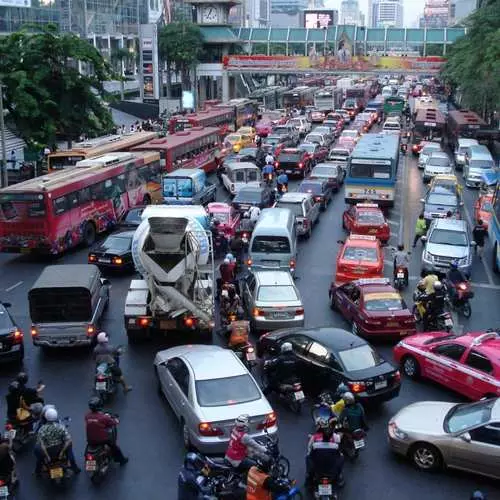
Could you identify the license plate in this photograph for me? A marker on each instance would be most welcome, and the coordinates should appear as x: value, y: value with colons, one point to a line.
x: 324, y: 489
x: 280, y: 315
x: 10, y: 434
x: 393, y: 323
x: 56, y: 473
x: 299, y: 396
x: 401, y: 275
x: 90, y: 465
x: 251, y: 356
x: 168, y: 324
x: 105, y: 261
x: 448, y: 322
x: 100, y: 386
x: 288, y: 171
x: 358, y: 271
x: 359, y: 443
x: 4, y: 492
x: 372, y: 231
x: 380, y: 385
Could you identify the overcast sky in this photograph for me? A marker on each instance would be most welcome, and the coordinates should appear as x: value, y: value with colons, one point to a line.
x: 412, y: 9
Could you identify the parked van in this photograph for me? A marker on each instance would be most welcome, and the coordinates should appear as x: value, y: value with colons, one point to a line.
x: 460, y: 150
x: 274, y: 241
x: 66, y: 304
x: 239, y: 174
x: 478, y: 160
x: 188, y: 186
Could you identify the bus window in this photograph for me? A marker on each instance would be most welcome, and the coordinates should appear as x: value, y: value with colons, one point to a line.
x: 169, y: 187
x: 73, y: 199
x: 60, y: 205
x: 84, y: 195
x: 185, y: 188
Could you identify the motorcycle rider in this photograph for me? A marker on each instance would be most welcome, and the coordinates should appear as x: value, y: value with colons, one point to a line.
x: 281, y: 368
x: 29, y: 395
x: 268, y: 169
x: 338, y: 407
x: 454, y: 276
x: 261, y: 485
x: 282, y: 181
x: 101, y: 430
x: 401, y: 260
x: 106, y: 353
x: 13, y: 398
x: 323, y: 453
x: 246, y: 224
x: 353, y: 416
x: 269, y: 159
x: 7, y: 463
x: 237, y: 247
x: 434, y: 305
x: 238, y: 330
x: 428, y: 279
x: 54, y: 441
x: 240, y: 443
x: 192, y: 484
x: 254, y: 213
x: 227, y: 271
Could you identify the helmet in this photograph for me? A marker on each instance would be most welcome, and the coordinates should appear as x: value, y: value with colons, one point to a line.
x: 246, y: 215
x: 194, y: 461
x: 36, y: 410
x: 478, y: 495
x: 421, y: 285
x: 241, y: 421
x: 22, y: 378
x: 286, y: 347
x: 342, y: 389
x: 264, y: 463
x: 13, y: 386
x: 348, y: 398
x: 454, y: 264
x: 322, y: 423
x: 229, y: 256
x: 227, y: 261
x: 401, y: 248
x: 51, y: 415
x: 95, y: 403
x: 437, y: 285
x: 102, y: 338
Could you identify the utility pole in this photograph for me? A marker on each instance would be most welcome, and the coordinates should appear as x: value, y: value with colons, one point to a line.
x: 3, y: 171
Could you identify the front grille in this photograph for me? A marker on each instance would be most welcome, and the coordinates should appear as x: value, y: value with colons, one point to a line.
x: 443, y: 260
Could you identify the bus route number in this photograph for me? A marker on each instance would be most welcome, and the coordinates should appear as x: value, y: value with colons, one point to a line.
x: 370, y: 191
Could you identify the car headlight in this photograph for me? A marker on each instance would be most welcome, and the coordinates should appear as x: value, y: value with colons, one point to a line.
x: 395, y: 431
x: 463, y: 260
x: 428, y: 257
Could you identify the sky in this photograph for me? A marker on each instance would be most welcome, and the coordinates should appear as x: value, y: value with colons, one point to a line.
x: 412, y: 9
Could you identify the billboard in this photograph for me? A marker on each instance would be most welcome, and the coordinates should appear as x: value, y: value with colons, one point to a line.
x: 15, y: 3
x: 320, y: 18
x: 150, y: 88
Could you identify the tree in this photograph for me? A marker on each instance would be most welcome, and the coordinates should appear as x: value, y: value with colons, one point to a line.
x: 45, y: 93
x: 180, y: 45
x: 473, y: 61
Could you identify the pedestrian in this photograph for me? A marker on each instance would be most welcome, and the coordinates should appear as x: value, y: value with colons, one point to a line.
x: 479, y: 234
x: 420, y: 229
x: 13, y: 159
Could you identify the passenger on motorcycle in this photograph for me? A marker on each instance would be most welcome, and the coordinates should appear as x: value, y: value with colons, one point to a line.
x: 454, y: 276
x: 428, y: 279
x: 281, y: 369
x: 101, y: 430
x: 267, y: 170
x: 338, y: 407
x: 434, y: 305
x: 7, y: 464
x: 240, y: 444
x: 269, y: 159
x: 254, y: 213
x: 353, y: 416
x: 401, y: 260
x: 105, y: 353
x: 323, y: 454
x: 246, y: 224
x: 261, y: 485
x: 230, y: 301
x: 192, y: 484
x: 53, y: 442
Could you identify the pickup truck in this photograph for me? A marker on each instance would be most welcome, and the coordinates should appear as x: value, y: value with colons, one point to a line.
x: 188, y: 186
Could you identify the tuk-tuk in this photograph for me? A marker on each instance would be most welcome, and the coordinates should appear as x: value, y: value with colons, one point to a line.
x: 228, y: 217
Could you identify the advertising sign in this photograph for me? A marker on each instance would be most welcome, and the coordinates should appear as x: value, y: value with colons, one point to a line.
x: 15, y: 3
x: 319, y: 19
x: 150, y: 88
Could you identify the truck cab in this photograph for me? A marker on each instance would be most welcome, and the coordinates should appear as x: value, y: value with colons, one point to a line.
x: 187, y: 186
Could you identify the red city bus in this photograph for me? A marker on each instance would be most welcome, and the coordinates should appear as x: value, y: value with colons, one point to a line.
x: 53, y: 213
x: 245, y: 111
x: 198, y: 147
x: 429, y: 125
x: 212, y: 117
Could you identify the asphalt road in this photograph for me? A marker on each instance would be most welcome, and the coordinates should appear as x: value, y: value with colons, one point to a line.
x: 148, y: 432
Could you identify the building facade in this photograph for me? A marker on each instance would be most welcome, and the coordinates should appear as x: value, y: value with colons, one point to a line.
x: 251, y: 14
x: 349, y: 12
x: 436, y: 14
x: 387, y: 14
x: 460, y: 9
x: 291, y: 7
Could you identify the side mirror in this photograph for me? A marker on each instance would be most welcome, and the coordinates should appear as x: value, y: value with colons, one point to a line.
x: 6, y: 304
x: 466, y: 437
x: 423, y: 238
x: 105, y: 281
x: 461, y: 203
x: 473, y: 244
x: 340, y: 242
x: 422, y: 200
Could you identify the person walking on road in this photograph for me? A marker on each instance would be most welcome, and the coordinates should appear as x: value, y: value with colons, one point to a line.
x: 420, y: 229
x: 479, y: 234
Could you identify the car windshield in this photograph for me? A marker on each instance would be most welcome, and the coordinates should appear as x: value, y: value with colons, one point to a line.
x: 248, y: 195
x: 289, y: 157
x: 442, y: 199
x: 284, y: 293
x: 117, y: 243
x: 484, y: 164
x: 308, y: 148
x: 314, y: 138
x: 272, y: 140
x: 427, y: 150
x: 311, y: 187
x: 295, y: 208
x: 360, y: 253
x: 324, y: 172
x: 464, y: 416
x: 438, y: 161
x: 270, y: 244
x: 222, y: 217
x: 134, y: 216
x: 378, y: 302
x: 447, y: 237
x: 227, y: 391
x: 5, y: 321
x: 360, y: 358
x: 370, y: 218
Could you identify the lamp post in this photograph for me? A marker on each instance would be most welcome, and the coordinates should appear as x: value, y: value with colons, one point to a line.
x: 3, y: 171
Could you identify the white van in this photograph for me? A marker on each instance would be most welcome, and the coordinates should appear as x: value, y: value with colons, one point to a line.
x: 392, y: 126
x: 387, y: 91
x: 239, y: 174
x: 462, y: 145
x: 478, y: 160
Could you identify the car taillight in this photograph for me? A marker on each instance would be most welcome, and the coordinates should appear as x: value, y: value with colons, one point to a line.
x: 17, y: 337
x: 301, y: 165
x: 292, y: 263
x: 92, y: 258
x: 100, y: 378
x: 269, y: 421
x: 256, y: 312
x: 34, y: 331
x: 462, y: 286
x: 397, y: 376
x: 90, y: 330
x: 317, y: 198
x: 249, y: 262
x: 144, y: 322
x: 356, y: 387
x: 299, y: 311
x: 117, y: 261
x: 209, y: 430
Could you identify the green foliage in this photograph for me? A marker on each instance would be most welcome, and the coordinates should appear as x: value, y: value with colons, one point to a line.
x: 44, y: 92
x: 180, y: 44
x: 473, y: 61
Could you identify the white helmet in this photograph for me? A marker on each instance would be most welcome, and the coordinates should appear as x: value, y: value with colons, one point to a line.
x: 102, y: 338
x: 242, y: 421
x: 348, y: 398
x: 437, y: 285
x: 286, y: 347
x: 51, y: 415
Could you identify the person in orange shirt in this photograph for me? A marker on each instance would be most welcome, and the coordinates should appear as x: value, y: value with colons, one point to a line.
x: 260, y: 484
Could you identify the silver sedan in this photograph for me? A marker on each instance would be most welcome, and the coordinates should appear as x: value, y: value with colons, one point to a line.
x: 463, y: 436
x: 207, y: 387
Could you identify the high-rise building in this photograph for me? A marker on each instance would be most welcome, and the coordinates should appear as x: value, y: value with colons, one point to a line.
x: 387, y: 14
x: 291, y: 7
x: 436, y: 14
x: 316, y: 4
x: 251, y: 14
x: 460, y: 9
x: 349, y: 12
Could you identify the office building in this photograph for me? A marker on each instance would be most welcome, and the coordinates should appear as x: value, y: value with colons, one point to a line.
x: 387, y: 14
x: 349, y: 12
x: 316, y: 4
x: 436, y: 14
x: 251, y: 14
x: 290, y: 7
x: 460, y: 9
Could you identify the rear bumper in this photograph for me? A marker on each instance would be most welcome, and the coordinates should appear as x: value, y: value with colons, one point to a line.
x: 15, y: 353
x: 62, y: 341
x: 395, y: 332
x: 270, y: 324
x: 379, y: 396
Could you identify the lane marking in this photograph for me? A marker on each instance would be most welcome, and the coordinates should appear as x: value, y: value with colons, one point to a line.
x: 19, y: 283
x: 393, y: 222
x: 402, y: 226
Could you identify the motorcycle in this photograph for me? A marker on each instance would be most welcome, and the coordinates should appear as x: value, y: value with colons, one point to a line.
x: 459, y: 301
x: 404, y: 149
x: 105, y: 383
x: 322, y: 408
x: 442, y: 322
x: 20, y: 434
x: 7, y: 488
x: 98, y: 457
x: 324, y: 488
x: 238, y: 341
x: 291, y: 393
x: 289, y: 484
x: 352, y: 442
x: 400, y: 278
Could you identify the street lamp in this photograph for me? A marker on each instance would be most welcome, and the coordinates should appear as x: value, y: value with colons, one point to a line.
x: 3, y: 170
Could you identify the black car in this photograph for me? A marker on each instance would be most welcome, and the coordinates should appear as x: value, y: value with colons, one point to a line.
x: 11, y: 337
x: 328, y: 356
x: 320, y: 190
x: 252, y: 196
x: 294, y: 161
x: 115, y: 252
x: 132, y: 217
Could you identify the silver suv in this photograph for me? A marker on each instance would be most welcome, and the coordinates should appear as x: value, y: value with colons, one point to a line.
x: 447, y: 240
x: 305, y: 210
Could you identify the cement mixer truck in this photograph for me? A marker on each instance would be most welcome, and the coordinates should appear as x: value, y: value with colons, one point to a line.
x: 172, y: 251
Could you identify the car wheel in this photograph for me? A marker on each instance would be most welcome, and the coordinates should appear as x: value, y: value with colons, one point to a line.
x: 333, y: 306
x: 89, y: 234
x: 496, y: 269
x: 426, y: 456
x: 410, y: 367
x: 185, y: 437
x: 158, y: 383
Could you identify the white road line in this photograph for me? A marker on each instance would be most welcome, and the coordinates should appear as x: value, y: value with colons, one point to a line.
x: 19, y: 283
x: 393, y: 222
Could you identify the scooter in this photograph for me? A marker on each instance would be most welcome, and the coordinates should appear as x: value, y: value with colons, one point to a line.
x: 324, y: 488
x: 459, y: 301
x: 291, y: 393
x: 98, y: 458
x: 352, y: 443
x: 105, y: 383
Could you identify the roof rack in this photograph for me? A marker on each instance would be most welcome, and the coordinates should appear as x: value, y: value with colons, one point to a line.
x: 486, y: 336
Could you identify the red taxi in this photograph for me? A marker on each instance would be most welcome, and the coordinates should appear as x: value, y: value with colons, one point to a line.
x: 366, y: 218
x: 417, y: 148
x: 483, y: 209
x: 469, y: 363
x: 374, y: 307
x: 346, y: 142
x: 228, y: 217
x: 360, y: 256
